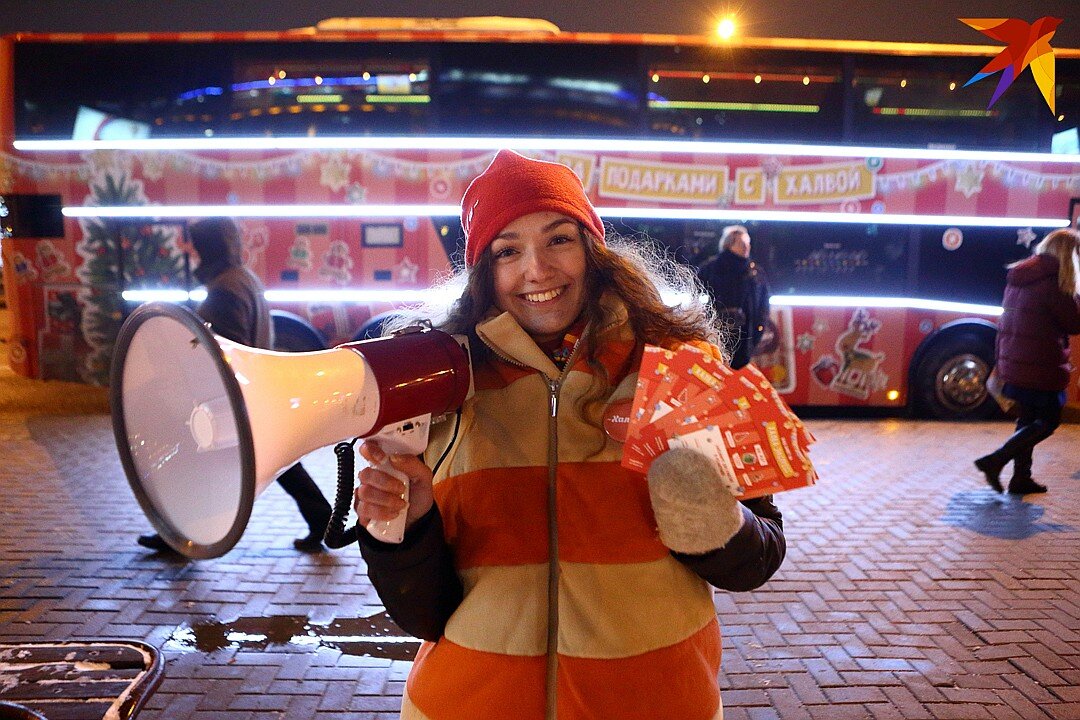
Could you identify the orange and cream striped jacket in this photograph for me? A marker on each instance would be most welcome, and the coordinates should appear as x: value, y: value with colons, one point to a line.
x: 563, y: 601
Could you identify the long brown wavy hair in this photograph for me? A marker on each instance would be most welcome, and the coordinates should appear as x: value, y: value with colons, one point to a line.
x: 634, y: 271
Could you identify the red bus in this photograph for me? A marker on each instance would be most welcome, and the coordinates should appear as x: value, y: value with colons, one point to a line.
x: 884, y: 197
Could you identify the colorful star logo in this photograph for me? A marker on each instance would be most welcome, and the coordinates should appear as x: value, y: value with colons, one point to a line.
x: 1027, y: 44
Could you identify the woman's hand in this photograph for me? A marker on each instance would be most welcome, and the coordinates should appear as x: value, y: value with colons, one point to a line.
x: 694, y: 511
x: 380, y: 495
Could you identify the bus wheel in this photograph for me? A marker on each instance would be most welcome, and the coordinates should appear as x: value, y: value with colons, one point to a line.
x: 373, y: 328
x: 950, y: 381
x: 293, y: 333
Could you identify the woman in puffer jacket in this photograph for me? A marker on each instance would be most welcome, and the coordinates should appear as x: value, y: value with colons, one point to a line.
x: 547, y: 580
x: 1042, y: 309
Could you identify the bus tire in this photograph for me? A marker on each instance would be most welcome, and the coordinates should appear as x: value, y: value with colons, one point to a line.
x: 373, y: 328
x: 949, y: 382
x: 293, y: 333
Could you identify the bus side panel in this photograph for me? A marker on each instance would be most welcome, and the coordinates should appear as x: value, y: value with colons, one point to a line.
x: 837, y: 355
x: 64, y: 293
x: 848, y: 356
x: 20, y: 293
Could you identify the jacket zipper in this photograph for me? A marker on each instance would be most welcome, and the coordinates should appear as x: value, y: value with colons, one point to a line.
x: 554, y: 386
x: 552, y: 670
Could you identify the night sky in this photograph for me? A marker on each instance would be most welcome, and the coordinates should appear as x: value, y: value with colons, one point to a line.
x: 919, y: 20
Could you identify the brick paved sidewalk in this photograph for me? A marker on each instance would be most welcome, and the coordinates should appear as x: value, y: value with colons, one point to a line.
x: 909, y: 591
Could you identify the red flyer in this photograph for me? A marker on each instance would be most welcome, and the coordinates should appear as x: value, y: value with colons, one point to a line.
x: 686, y: 398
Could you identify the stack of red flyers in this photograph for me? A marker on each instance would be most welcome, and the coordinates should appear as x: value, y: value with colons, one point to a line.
x: 687, y: 398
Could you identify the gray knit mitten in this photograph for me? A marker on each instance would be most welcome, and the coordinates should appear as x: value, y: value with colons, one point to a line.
x: 694, y: 511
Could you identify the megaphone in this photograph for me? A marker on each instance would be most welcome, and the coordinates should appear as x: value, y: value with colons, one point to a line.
x: 204, y: 424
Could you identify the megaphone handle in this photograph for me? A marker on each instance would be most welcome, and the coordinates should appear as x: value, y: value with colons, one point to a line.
x: 408, y: 437
x: 391, y: 531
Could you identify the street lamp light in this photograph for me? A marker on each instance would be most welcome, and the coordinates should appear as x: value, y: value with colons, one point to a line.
x: 725, y: 29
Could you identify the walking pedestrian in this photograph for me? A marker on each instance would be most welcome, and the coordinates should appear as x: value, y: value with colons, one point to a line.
x: 236, y: 309
x: 1042, y: 309
x: 739, y: 292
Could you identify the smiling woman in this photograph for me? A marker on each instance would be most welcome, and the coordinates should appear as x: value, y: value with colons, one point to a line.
x: 529, y: 503
x: 539, y: 268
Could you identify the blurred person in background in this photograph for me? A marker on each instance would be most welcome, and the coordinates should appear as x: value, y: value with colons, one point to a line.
x: 235, y: 308
x: 1042, y: 309
x: 739, y: 292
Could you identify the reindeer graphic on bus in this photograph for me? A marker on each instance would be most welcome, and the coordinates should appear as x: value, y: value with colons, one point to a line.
x: 854, y: 370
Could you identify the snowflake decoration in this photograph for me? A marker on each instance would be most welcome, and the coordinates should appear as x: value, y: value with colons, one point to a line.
x: 153, y: 166
x: 1026, y: 236
x: 969, y: 179
x: 356, y: 194
x: 805, y: 342
x: 405, y: 271
x: 820, y: 327
x: 334, y: 173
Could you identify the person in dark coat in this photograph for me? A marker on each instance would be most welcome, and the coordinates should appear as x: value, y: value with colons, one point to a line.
x: 740, y: 293
x: 236, y: 309
x: 1042, y: 309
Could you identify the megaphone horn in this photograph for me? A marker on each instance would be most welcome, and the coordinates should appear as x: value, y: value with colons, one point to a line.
x: 204, y: 424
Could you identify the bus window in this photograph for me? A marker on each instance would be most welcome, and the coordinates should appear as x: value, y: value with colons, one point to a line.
x: 185, y: 89
x: 529, y: 89
x: 329, y: 90
x: 973, y: 270
x: 833, y: 259
x: 922, y: 102
x: 710, y: 93
x: 138, y: 82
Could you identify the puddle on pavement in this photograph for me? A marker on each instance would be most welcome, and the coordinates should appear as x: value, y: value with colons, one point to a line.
x: 375, y: 636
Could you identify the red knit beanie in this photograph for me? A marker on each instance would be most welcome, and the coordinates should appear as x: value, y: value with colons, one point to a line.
x: 514, y: 186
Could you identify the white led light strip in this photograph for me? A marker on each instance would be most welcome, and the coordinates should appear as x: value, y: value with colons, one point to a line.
x: 883, y: 302
x: 371, y: 211
x: 422, y: 295
x: 534, y: 144
x: 283, y: 211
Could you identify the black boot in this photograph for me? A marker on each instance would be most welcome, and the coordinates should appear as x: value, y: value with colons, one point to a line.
x: 1025, y: 486
x: 155, y: 542
x: 1019, y: 444
x: 991, y: 467
x: 311, y: 544
x: 1021, y: 483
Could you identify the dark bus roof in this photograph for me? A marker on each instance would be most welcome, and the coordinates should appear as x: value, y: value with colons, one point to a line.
x: 518, y: 30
